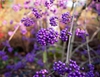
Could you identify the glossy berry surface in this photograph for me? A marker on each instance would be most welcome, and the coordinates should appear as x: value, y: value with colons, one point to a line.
x: 27, y: 21
x: 65, y: 18
x: 41, y: 73
x: 64, y: 34
x: 53, y: 21
x: 47, y: 36
x: 60, y: 67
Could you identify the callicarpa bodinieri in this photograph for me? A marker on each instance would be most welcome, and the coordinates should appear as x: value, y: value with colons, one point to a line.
x: 49, y: 38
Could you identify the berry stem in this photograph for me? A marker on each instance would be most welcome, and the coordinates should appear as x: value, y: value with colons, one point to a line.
x: 72, y: 40
x: 87, y: 37
x: 70, y: 37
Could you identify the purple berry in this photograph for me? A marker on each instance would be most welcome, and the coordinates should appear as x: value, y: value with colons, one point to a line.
x: 36, y: 13
x: 41, y: 73
x: 66, y: 18
x: 60, y: 67
x: 47, y: 36
x: 27, y: 21
x: 81, y: 33
x: 53, y: 21
x: 64, y: 34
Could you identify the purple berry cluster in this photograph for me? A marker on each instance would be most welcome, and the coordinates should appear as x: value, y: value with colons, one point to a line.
x: 29, y: 57
x: 41, y: 73
x: 65, y: 18
x: 62, y: 3
x: 90, y: 73
x: 64, y: 34
x: 60, y: 67
x: 7, y: 74
x: 27, y: 21
x: 51, y: 1
x: 15, y: 66
x: 47, y: 36
x: 81, y: 33
x: 36, y: 13
x: 41, y: 36
x: 48, y: 4
x: 2, y: 53
x: 72, y: 70
x: 53, y: 21
x: 19, y: 58
x: 6, y: 43
x: 19, y: 65
x: 3, y: 56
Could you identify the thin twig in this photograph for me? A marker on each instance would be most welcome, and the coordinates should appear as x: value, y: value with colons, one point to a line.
x: 70, y: 37
x: 87, y: 37
x: 95, y: 33
x: 50, y: 73
x: 88, y: 61
x: 73, y: 37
